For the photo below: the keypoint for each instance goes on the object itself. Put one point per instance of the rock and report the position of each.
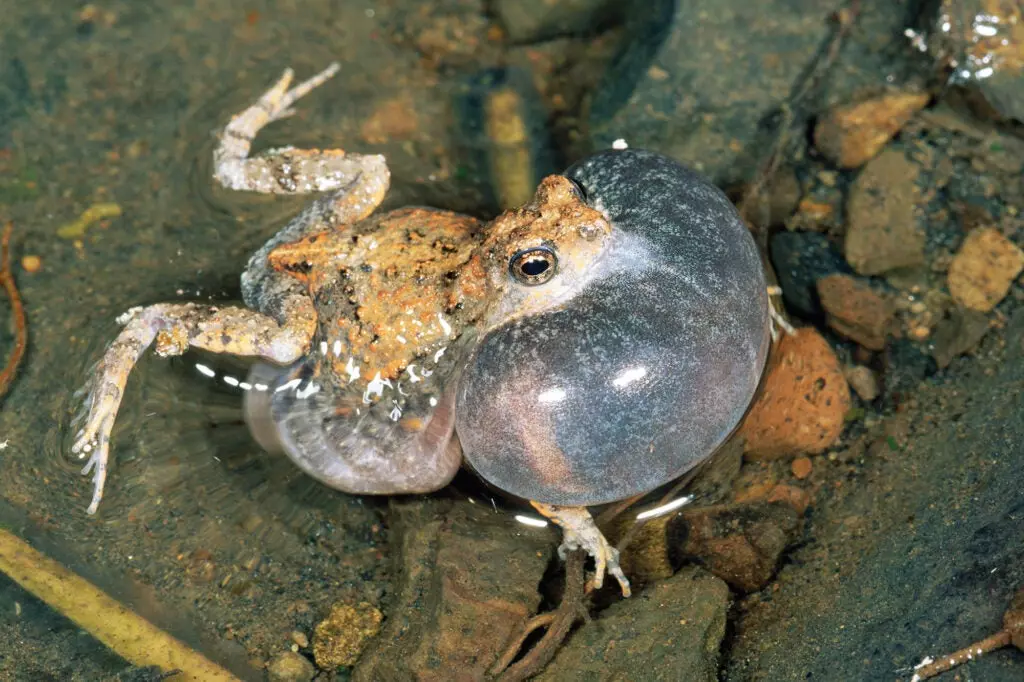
(290, 667)
(800, 260)
(851, 134)
(881, 231)
(703, 80)
(905, 365)
(957, 334)
(855, 311)
(802, 467)
(527, 21)
(671, 631)
(864, 382)
(340, 638)
(466, 582)
(985, 41)
(983, 269)
(804, 399)
(741, 543)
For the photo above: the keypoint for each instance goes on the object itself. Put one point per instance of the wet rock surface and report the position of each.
(466, 582)
(920, 566)
(671, 631)
(983, 269)
(701, 81)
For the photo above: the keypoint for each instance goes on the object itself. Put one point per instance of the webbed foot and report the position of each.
(580, 532)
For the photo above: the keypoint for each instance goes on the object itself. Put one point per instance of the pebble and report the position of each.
(290, 667)
(852, 134)
(802, 467)
(983, 269)
(340, 638)
(864, 382)
(882, 234)
(957, 334)
(856, 311)
(31, 263)
(803, 401)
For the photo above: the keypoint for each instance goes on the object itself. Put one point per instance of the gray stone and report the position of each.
(670, 631)
(800, 260)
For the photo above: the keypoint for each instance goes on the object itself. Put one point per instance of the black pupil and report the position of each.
(534, 266)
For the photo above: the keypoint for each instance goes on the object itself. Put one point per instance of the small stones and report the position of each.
(852, 134)
(290, 667)
(983, 269)
(856, 311)
(340, 638)
(958, 334)
(864, 382)
(803, 401)
(881, 233)
(802, 467)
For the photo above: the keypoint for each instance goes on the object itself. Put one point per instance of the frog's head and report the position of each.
(540, 255)
(626, 341)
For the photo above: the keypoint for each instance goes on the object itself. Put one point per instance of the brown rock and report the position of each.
(290, 667)
(466, 583)
(340, 638)
(881, 233)
(983, 269)
(855, 310)
(673, 631)
(804, 399)
(802, 467)
(852, 134)
(863, 381)
(797, 498)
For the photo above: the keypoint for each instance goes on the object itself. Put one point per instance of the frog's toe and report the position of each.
(98, 449)
(278, 100)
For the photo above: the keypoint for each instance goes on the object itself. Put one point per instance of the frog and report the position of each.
(555, 350)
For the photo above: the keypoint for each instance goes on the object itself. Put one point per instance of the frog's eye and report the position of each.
(533, 266)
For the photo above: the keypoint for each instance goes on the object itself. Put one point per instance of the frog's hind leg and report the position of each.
(175, 327)
(358, 178)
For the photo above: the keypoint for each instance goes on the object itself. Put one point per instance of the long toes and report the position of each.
(623, 582)
(304, 88)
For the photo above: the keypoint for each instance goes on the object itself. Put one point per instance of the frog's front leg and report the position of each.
(580, 532)
(363, 178)
(175, 327)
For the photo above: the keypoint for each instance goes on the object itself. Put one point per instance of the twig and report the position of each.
(845, 19)
(17, 312)
(950, 661)
(559, 622)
